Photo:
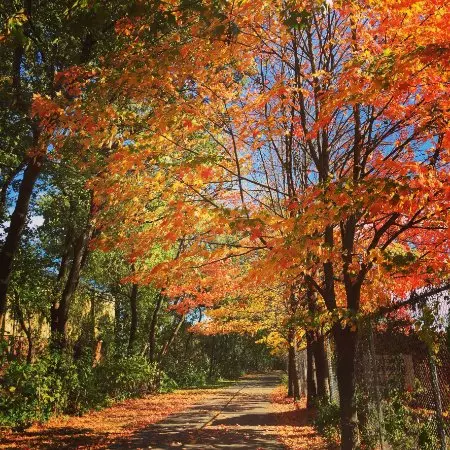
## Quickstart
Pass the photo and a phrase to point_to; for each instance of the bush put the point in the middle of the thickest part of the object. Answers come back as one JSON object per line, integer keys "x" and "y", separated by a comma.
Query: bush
{"x": 284, "y": 380}
{"x": 327, "y": 420}
{"x": 404, "y": 429}
{"x": 190, "y": 376}
{"x": 33, "y": 392}
{"x": 56, "y": 384}
{"x": 165, "y": 383}
{"x": 84, "y": 390}
{"x": 126, "y": 377}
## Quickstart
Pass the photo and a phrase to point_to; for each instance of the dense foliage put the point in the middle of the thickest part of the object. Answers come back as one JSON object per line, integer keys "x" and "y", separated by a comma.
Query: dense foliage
{"x": 275, "y": 169}
{"x": 75, "y": 334}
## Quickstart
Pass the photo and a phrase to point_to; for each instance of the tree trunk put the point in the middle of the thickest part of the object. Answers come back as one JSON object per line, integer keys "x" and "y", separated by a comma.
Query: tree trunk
{"x": 440, "y": 424}
{"x": 152, "y": 331}
{"x": 320, "y": 359}
{"x": 118, "y": 322}
{"x": 134, "y": 318}
{"x": 63, "y": 268}
{"x": 26, "y": 329}
{"x": 172, "y": 337}
{"x": 6, "y": 184}
{"x": 17, "y": 224}
{"x": 290, "y": 392}
{"x": 311, "y": 390}
{"x": 61, "y": 311}
{"x": 294, "y": 388}
{"x": 346, "y": 340}
{"x": 212, "y": 357}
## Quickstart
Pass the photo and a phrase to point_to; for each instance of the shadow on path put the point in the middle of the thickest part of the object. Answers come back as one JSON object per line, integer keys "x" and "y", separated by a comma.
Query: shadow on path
{"x": 240, "y": 417}
{"x": 56, "y": 438}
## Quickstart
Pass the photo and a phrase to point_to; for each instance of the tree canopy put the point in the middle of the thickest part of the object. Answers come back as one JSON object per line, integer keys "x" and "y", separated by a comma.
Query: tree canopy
{"x": 279, "y": 167}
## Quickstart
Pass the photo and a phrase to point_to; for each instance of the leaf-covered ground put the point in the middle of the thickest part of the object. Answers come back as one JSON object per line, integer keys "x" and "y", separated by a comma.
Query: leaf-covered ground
{"x": 250, "y": 414}
{"x": 99, "y": 429}
{"x": 295, "y": 429}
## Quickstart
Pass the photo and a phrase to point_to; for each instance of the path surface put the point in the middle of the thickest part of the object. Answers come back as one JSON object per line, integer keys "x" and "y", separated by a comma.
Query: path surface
{"x": 240, "y": 417}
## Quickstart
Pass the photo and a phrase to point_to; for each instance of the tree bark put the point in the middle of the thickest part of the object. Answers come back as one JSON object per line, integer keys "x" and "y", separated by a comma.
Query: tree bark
{"x": 311, "y": 390}
{"x": 212, "y": 357}
{"x": 152, "y": 331}
{"x": 6, "y": 184}
{"x": 134, "y": 318}
{"x": 320, "y": 359}
{"x": 17, "y": 224}
{"x": 63, "y": 268}
{"x": 61, "y": 310}
{"x": 290, "y": 392}
{"x": 26, "y": 329}
{"x": 118, "y": 322}
{"x": 317, "y": 347}
{"x": 294, "y": 388}
{"x": 172, "y": 337}
{"x": 346, "y": 340}
{"x": 30, "y": 175}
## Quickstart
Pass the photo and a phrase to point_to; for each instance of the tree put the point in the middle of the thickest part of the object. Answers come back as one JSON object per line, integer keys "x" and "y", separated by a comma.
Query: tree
{"x": 38, "y": 42}
{"x": 312, "y": 141}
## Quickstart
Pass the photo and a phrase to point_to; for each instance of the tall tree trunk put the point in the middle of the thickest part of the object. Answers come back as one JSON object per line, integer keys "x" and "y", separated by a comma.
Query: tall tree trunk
{"x": 6, "y": 184}
{"x": 152, "y": 331}
{"x": 17, "y": 224}
{"x": 320, "y": 359}
{"x": 118, "y": 322}
{"x": 290, "y": 392}
{"x": 30, "y": 176}
{"x": 63, "y": 268}
{"x": 294, "y": 388}
{"x": 317, "y": 347}
{"x": 172, "y": 337}
{"x": 61, "y": 312}
{"x": 134, "y": 318}
{"x": 26, "y": 329}
{"x": 346, "y": 340}
{"x": 311, "y": 390}
{"x": 212, "y": 357}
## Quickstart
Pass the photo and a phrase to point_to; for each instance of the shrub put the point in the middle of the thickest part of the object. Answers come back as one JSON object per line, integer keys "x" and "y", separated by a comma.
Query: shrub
{"x": 57, "y": 384}
{"x": 126, "y": 377}
{"x": 191, "y": 375}
{"x": 33, "y": 392}
{"x": 84, "y": 390}
{"x": 404, "y": 429}
{"x": 327, "y": 420}
{"x": 165, "y": 383}
{"x": 368, "y": 421}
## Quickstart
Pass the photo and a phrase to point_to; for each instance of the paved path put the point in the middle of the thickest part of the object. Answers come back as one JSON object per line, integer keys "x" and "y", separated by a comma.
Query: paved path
{"x": 239, "y": 417}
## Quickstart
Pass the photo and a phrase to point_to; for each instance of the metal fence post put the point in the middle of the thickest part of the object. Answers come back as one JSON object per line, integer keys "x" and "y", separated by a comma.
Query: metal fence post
{"x": 437, "y": 402}
{"x": 374, "y": 370}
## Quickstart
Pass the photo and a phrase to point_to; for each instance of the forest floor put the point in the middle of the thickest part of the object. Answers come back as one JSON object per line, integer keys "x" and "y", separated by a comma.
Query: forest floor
{"x": 251, "y": 414}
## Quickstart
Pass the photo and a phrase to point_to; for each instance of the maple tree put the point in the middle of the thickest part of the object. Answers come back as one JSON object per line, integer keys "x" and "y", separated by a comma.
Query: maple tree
{"x": 73, "y": 329}
{"x": 264, "y": 142}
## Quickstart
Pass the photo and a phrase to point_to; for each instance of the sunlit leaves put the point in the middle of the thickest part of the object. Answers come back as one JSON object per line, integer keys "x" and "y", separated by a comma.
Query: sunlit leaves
{"x": 238, "y": 142}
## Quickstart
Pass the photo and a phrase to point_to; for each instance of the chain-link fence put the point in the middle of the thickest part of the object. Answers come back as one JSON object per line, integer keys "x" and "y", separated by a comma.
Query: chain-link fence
{"x": 403, "y": 380}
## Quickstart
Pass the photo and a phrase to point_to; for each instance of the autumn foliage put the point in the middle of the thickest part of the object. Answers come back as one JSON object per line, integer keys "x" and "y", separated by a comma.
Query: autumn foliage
{"x": 291, "y": 159}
